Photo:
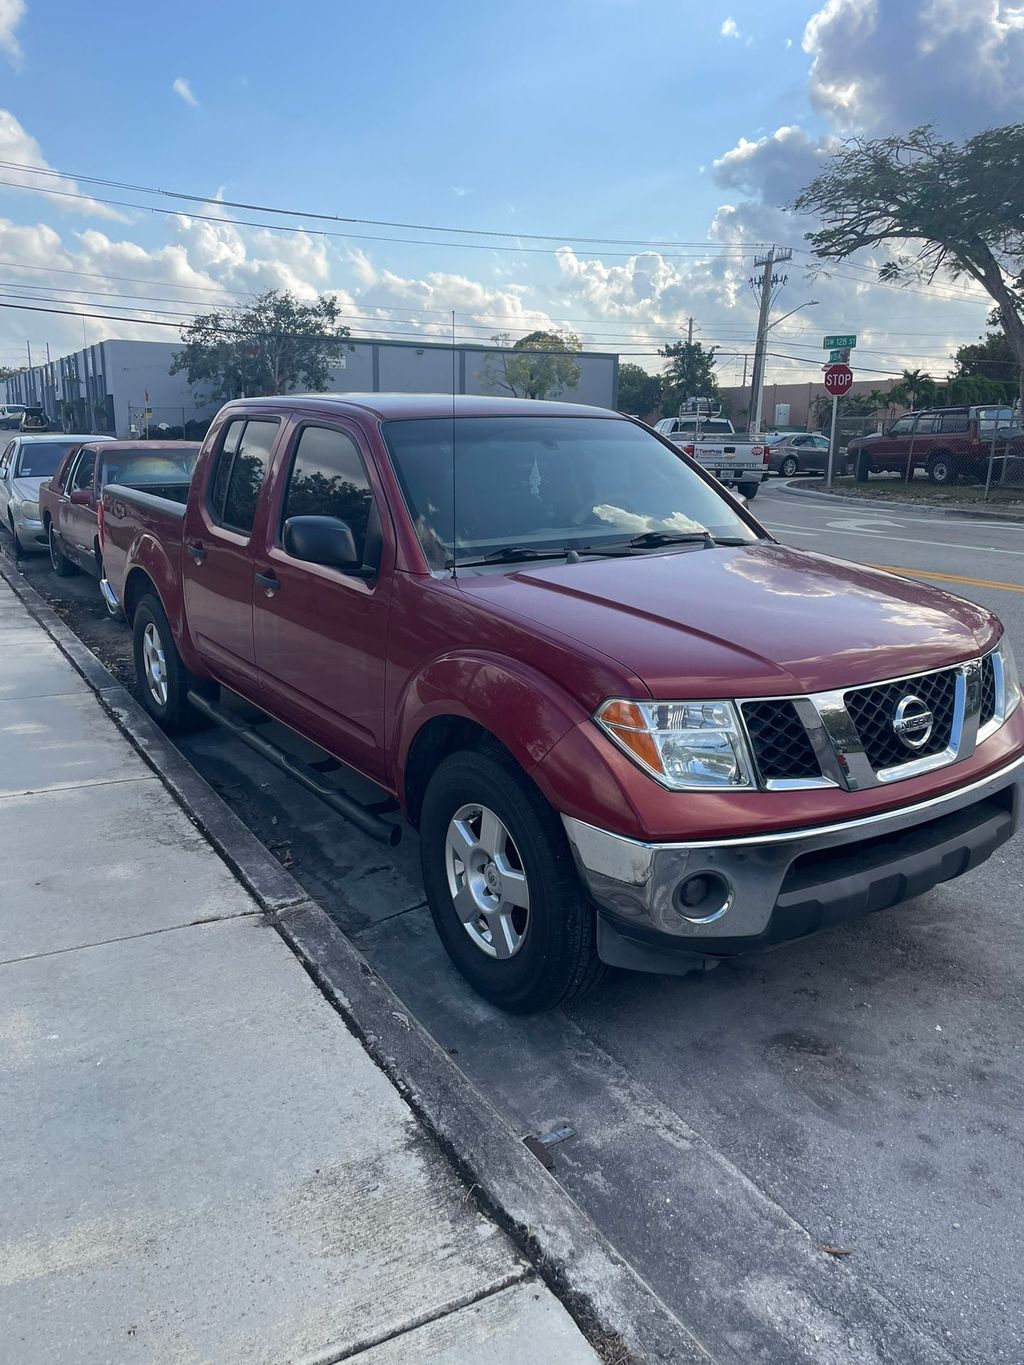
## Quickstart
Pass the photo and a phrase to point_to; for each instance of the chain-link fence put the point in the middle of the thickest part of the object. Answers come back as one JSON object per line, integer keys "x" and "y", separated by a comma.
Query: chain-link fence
{"x": 978, "y": 446}
{"x": 166, "y": 424}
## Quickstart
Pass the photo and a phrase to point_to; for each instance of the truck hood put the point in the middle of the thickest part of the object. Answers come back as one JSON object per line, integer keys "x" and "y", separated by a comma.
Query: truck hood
{"x": 752, "y": 620}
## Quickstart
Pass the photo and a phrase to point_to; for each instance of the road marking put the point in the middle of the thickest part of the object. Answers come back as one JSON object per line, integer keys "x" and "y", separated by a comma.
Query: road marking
{"x": 948, "y": 577}
{"x": 904, "y": 540}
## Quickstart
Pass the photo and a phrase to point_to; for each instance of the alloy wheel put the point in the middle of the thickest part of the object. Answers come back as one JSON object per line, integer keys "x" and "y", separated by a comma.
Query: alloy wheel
{"x": 487, "y": 881}
{"x": 155, "y": 664}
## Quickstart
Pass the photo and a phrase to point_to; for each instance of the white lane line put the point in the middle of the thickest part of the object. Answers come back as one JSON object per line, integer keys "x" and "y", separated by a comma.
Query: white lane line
{"x": 902, "y": 540}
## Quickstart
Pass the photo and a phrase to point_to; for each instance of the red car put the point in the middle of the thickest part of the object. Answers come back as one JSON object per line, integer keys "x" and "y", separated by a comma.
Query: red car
{"x": 631, "y": 727}
{"x": 68, "y": 502}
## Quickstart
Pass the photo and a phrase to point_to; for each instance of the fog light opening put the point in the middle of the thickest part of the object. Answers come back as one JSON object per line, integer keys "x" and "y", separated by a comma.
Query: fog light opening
{"x": 704, "y": 897}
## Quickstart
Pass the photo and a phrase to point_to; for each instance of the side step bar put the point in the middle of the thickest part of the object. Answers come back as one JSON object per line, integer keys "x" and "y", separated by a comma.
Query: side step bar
{"x": 361, "y": 816}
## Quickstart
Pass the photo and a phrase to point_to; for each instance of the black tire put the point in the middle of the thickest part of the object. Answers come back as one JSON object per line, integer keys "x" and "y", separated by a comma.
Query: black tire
{"x": 862, "y": 466}
{"x": 940, "y": 468}
{"x": 59, "y": 562}
{"x": 19, "y": 549}
{"x": 789, "y": 466}
{"x": 749, "y": 490}
{"x": 557, "y": 958}
{"x": 174, "y": 713}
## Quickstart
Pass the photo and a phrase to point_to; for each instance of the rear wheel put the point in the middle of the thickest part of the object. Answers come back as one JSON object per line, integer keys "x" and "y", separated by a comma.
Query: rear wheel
{"x": 790, "y": 466}
{"x": 163, "y": 679}
{"x": 940, "y": 468}
{"x": 862, "y": 466}
{"x": 749, "y": 490}
{"x": 502, "y": 885}
{"x": 62, "y": 566}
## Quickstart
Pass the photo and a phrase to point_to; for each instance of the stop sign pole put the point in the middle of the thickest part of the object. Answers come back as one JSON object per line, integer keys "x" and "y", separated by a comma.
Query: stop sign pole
{"x": 838, "y": 380}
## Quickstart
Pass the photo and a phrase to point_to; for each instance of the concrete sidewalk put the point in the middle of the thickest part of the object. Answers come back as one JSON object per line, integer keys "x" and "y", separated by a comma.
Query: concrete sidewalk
{"x": 199, "y": 1162}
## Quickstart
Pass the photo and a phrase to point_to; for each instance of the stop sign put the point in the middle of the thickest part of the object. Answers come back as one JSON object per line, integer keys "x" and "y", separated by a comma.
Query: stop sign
{"x": 838, "y": 379}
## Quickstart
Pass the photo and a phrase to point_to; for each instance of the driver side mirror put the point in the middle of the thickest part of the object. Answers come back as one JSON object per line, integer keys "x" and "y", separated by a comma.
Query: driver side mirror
{"x": 322, "y": 540}
{"x": 81, "y": 497}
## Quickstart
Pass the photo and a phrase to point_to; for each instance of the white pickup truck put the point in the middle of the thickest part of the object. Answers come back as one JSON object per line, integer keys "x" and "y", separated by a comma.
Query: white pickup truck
{"x": 740, "y": 462}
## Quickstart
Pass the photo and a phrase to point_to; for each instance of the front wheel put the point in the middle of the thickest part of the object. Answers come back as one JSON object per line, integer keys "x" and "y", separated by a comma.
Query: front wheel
{"x": 19, "y": 549}
{"x": 162, "y": 678}
{"x": 790, "y": 466}
{"x": 62, "y": 566}
{"x": 502, "y": 886}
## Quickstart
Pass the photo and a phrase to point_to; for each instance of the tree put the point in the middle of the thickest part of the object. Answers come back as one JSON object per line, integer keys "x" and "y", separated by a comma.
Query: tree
{"x": 536, "y": 366}
{"x": 275, "y": 345}
{"x": 689, "y": 373}
{"x": 988, "y": 358}
{"x": 9, "y": 371}
{"x": 941, "y": 206}
{"x": 913, "y": 388}
{"x": 639, "y": 391}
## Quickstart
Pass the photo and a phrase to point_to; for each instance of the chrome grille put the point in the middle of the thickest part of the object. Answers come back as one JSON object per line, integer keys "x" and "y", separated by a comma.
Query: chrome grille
{"x": 873, "y": 710}
{"x": 988, "y": 690}
{"x": 782, "y": 747}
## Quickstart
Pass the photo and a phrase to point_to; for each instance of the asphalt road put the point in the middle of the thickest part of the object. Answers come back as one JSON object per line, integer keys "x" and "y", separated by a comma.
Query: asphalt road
{"x": 860, "y": 1091}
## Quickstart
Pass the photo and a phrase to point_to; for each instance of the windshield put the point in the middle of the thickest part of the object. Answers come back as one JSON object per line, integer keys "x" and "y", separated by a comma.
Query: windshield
{"x": 39, "y": 459}
{"x": 547, "y": 483}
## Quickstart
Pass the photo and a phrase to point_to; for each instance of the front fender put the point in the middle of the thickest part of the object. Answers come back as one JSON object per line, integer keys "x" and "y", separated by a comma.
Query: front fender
{"x": 522, "y": 707}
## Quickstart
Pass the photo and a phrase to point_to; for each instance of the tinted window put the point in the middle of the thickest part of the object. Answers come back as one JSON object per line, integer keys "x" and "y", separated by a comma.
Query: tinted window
{"x": 328, "y": 480}
{"x": 955, "y": 421}
{"x": 84, "y": 470}
{"x": 40, "y": 459}
{"x": 241, "y": 469}
{"x": 903, "y": 427}
{"x": 925, "y": 425}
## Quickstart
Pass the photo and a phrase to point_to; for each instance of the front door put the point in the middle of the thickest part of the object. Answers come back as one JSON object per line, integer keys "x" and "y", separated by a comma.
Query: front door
{"x": 217, "y": 560}
{"x": 6, "y": 474}
{"x": 321, "y": 633}
{"x": 76, "y": 521}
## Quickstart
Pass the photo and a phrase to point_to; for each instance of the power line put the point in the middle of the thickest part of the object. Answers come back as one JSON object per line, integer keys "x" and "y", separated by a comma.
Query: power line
{"x": 368, "y": 222}
{"x": 224, "y": 220}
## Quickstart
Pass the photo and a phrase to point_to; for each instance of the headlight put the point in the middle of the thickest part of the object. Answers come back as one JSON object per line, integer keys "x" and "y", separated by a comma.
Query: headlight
{"x": 684, "y": 745}
{"x": 1011, "y": 679}
{"x": 30, "y": 511}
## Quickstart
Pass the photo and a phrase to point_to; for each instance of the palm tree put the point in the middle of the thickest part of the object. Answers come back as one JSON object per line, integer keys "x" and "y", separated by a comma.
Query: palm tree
{"x": 914, "y": 388}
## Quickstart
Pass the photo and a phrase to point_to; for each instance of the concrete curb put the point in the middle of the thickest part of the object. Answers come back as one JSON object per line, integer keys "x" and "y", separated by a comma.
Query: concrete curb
{"x": 980, "y": 514}
{"x": 611, "y": 1303}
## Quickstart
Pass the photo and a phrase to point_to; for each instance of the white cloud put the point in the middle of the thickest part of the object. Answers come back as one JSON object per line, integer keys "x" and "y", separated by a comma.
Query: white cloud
{"x": 460, "y": 191}
{"x": 11, "y": 14}
{"x": 773, "y": 168}
{"x": 20, "y": 149}
{"x": 789, "y": 43}
{"x": 183, "y": 89}
{"x": 730, "y": 28}
{"x": 876, "y": 63}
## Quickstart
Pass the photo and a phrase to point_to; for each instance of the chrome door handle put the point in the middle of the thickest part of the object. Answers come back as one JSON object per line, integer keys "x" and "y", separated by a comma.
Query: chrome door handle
{"x": 196, "y": 550}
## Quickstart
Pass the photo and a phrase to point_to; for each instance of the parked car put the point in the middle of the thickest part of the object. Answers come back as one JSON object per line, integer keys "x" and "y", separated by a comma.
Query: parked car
{"x": 947, "y": 443}
{"x": 630, "y": 726}
{"x": 10, "y": 416}
{"x": 68, "y": 501}
{"x": 798, "y": 452}
{"x": 26, "y": 462}
{"x": 738, "y": 461}
{"x": 34, "y": 419}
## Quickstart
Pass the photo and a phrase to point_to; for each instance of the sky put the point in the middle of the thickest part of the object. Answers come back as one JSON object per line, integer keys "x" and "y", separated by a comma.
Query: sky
{"x": 501, "y": 137}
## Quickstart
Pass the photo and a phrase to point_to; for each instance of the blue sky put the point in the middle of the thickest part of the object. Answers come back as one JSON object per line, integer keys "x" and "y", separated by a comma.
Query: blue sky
{"x": 584, "y": 117}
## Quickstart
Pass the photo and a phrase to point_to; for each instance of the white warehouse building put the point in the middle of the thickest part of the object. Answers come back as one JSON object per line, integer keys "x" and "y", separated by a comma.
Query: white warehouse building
{"x": 124, "y": 388}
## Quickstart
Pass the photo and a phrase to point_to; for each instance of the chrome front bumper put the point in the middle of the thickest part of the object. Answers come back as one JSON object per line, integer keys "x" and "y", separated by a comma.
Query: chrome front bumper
{"x": 773, "y": 884}
{"x": 30, "y": 532}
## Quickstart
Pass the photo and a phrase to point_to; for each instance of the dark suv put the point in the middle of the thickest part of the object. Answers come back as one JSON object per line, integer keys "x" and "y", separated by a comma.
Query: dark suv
{"x": 947, "y": 443}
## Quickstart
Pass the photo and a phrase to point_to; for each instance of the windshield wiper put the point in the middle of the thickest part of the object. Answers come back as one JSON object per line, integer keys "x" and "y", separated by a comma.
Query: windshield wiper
{"x": 652, "y": 539}
{"x": 511, "y": 554}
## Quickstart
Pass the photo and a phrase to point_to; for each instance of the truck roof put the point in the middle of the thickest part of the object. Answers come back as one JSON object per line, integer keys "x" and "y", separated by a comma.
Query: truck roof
{"x": 394, "y": 406}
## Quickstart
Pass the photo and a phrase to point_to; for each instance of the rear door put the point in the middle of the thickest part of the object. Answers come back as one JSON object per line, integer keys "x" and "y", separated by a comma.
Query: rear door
{"x": 321, "y": 634}
{"x": 217, "y": 558}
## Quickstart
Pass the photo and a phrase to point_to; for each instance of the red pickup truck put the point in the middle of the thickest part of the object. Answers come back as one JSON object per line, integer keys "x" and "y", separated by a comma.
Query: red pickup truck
{"x": 631, "y": 727}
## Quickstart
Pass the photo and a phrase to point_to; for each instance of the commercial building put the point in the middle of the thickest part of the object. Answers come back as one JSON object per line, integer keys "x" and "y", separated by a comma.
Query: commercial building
{"x": 126, "y": 387}
{"x": 793, "y": 405}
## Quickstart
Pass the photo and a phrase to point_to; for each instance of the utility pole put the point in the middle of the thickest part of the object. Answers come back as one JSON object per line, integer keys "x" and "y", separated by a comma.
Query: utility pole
{"x": 47, "y": 353}
{"x": 768, "y": 281}
{"x": 28, "y": 348}
{"x": 689, "y": 331}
